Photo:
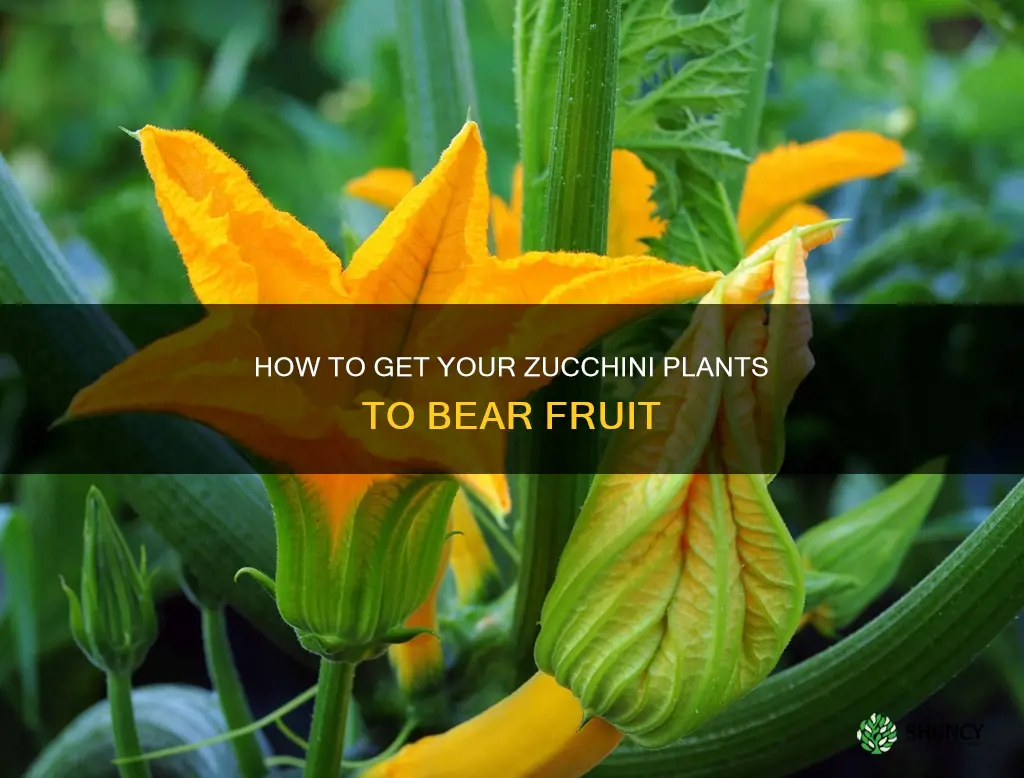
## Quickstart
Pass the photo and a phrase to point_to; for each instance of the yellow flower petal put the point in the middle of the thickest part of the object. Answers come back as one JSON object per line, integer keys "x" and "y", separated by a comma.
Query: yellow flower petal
{"x": 631, "y": 217}
{"x": 533, "y": 733}
{"x": 205, "y": 373}
{"x": 631, "y": 211}
{"x": 421, "y": 250}
{"x": 796, "y": 172}
{"x": 492, "y": 490}
{"x": 507, "y": 220}
{"x": 586, "y": 279}
{"x": 236, "y": 246}
{"x": 471, "y": 561}
{"x": 610, "y": 292}
{"x": 798, "y": 215}
{"x": 385, "y": 186}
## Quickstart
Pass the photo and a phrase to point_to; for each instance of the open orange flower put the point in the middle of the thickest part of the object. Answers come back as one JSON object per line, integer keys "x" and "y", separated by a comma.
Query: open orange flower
{"x": 246, "y": 260}
{"x": 778, "y": 186}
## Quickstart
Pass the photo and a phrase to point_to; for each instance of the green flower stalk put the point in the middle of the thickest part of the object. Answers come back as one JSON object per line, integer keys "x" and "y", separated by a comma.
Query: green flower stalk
{"x": 356, "y": 555}
{"x": 220, "y": 665}
{"x": 114, "y": 621}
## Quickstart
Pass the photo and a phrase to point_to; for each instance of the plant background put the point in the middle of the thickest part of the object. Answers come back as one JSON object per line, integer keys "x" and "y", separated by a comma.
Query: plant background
{"x": 307, "y": 95}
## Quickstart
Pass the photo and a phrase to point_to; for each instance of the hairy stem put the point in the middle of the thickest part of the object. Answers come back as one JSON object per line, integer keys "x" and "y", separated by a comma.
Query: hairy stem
{"x": 330, "y": 713}
{"x": 575, "y": 218}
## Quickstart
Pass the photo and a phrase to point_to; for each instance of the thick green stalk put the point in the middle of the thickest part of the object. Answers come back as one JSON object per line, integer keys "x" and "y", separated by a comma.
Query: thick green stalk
{"x": 330, "y": 714}
{"x": 743, "y": 129}
{"x": 237, "y": 714}
{"x": 575, "y": 219}
{"x": 437, "y": 76}
{"x": 890, "y": 666}
{"x": 579, "y": 179}
{"x": 532, "y": 45}
{"x": 122, "y": 719}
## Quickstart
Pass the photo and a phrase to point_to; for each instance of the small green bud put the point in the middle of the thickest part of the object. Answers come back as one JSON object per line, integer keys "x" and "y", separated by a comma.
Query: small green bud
{"x": 855, "y": 556}
{"x": 356, "y": 555}
{"x": 114, "y": 622}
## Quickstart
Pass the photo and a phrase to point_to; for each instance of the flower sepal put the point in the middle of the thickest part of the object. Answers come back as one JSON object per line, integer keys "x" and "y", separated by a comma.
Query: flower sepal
{"x": 331, "y": 648}
{"x": 356, "y": 556}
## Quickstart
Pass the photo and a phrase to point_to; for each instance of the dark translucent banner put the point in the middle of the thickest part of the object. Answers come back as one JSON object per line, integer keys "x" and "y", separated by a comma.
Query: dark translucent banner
{"x": 434, "y": 388}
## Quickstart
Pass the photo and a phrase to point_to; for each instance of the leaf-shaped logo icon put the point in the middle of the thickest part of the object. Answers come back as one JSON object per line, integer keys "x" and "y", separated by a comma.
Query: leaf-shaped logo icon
{"x": 877, "y": 734}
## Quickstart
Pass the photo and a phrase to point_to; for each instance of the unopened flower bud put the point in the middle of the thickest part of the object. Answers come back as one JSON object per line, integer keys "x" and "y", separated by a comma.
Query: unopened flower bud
{"x": 114, "y": 622}
{"x": 859, "y": 552}
{"x": 357, "y": 554}
{"x": 677, "y": 592}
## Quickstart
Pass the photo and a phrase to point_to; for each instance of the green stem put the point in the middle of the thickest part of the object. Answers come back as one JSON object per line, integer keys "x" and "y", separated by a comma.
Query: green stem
{"x": 576, "y": 205}
{"x": 437, "y": 76}
{"x": 743, "y": 129}
{"x": 890, "y": 666}
{"x": 575, "y": 219}
{"x": 330, "y": 714}
{"x": 237, "y": 714}
{"x": 532, "y": 44}
{"x": 122, "y": 719}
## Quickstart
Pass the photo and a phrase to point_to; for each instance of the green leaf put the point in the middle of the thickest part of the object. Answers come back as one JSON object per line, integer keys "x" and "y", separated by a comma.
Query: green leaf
{"x": 808, "y": 712}
{"x": 166, "y": 716}
{"x": 680, "y": 75}
{"x": 852, "y": 489}
{"x": 127, "y": 230}
{"x": 437, "y": 77}
{"x": 939, "y": 241}
{"x": 1006, "y": 16}
{"x": 869, "y": 543}
{"x": 17, "y": 559}
{"x": 51, "y": 508}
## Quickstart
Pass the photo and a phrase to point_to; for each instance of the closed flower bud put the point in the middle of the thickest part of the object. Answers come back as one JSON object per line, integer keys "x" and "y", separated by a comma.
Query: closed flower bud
{"x": 860, "y": 551}
{"x": 114, "y": 621}
{"x": 357, "y": 554}
{"x": 677, "y": 593}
